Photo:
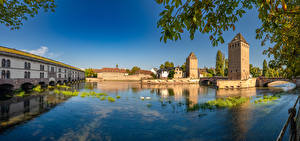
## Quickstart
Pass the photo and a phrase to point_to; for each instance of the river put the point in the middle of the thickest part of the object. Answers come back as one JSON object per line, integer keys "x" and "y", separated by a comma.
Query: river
{"x": 166, "y": 114}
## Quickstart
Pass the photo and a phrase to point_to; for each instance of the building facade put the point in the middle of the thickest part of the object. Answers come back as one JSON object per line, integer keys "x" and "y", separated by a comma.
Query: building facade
{"x": 19, "y": 67}
{"x": 192, "y": 66}
{"x": 108, "y": 74}
{"x": 238, "y": 58}
{"x": 178, "y": 73}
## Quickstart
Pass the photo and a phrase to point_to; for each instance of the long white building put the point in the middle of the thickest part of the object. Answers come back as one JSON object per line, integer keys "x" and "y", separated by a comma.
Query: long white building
{"x": 19, "y": 68}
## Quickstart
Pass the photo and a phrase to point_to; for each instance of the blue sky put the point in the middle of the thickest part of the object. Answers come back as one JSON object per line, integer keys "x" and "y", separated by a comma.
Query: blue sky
{"x": 103, "y": 33}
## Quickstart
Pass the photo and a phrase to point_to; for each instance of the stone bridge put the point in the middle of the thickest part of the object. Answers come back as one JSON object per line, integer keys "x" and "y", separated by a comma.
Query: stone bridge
{"x": 19, "y": 69}
{"x": 263, "y": 82}
{"x": 260, "y": 81}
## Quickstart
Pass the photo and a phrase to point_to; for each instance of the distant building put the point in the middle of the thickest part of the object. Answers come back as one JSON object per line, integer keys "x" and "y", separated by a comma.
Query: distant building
{"x": 121, "y": 74}
{"x": 202, "y": 72}
{"x": 238, "y": 58}
{"x": 178, "y": 73}
{"x": 192, "y": 66}
{"x": 163, "y": 73}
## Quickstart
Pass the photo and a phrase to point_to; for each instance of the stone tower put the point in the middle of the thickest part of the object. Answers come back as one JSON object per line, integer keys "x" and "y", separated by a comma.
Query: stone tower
{"x": 192, "y": 66}
{"x": 238, "y": 58}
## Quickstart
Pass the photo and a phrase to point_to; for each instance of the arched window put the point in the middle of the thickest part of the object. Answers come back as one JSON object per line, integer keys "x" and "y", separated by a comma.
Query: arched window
{"x": 8, "y": 74}
{"x": 25, "y": 65}
{"x": 3, "y": 63}
{"x": 8, "y": 63}
{"x": 3, "y": 74}
{"x": 29, "y": 65}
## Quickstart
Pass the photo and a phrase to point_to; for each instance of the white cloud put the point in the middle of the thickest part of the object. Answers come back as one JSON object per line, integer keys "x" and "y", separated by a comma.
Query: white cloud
{"x": 43, "y": 51}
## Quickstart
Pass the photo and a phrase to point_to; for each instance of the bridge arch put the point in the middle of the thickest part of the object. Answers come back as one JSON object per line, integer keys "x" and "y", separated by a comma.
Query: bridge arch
{"x": 6, "y": 88}
{"x": 27, "y": 86}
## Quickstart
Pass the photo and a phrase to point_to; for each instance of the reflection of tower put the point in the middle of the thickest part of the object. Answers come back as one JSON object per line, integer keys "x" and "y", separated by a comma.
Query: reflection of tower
{"x": 193, "y": 95}
{"x": 238, "y": 58}
{"x": 241, "y": 120}
{"x": 192, "y": 66}
{"x": 178, "y": 92}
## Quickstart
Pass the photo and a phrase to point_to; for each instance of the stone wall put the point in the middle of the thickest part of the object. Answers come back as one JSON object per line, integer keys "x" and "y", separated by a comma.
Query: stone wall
{"x": 227, "y": 84}
{"x": 172, "y": 81}
{"x": 116, "y": 76}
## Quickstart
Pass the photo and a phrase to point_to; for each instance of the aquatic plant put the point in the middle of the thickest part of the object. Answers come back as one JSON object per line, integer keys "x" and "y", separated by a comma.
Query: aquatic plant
{"x": 267, "y": 98}
{"x": 103, "y": 98}
{"x": 63, "y": 86}
{"x": 20, "y": 94}
{"x": 50, "y": 87}
{"x": 102, "y": 94}
{"x": 118, "y": 96}
{"x": 38, "y": 88}
{"x": 56, "y": 91}
{"x": 227, "y": 102}
{"x": 111, "y": 99}
{"x": 149, "y": 105}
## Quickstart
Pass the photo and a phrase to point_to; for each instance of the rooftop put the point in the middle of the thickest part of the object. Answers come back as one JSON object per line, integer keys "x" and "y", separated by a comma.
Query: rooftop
{"x": 239, "y": 37}
{"x": 23, "y": 53}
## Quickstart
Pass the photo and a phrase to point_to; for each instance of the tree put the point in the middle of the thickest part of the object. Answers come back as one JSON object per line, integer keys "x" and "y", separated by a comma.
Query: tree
{"x": 265, "y": 67}
{"x": 171, "y": 74}
{"x": 254, "y": 71}
{"x": 220, "y": 61}
{"x": 90, "y": 73}
{"x": 210, "y": 72}
{"x": 216, "y": 16}
{"x": 183, "y": 67}
{"x": 14, "y": 12}
{"x": 134, "y": 70}
{"x": 226, "y": 67}
{"x": 166, "y": 65}
{"x": 117, "y": 66}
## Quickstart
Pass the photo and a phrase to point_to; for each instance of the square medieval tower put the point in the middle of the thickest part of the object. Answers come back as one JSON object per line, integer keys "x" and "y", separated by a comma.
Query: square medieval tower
{"x": 192, "y": 66}
{"x": 238, "y": 58}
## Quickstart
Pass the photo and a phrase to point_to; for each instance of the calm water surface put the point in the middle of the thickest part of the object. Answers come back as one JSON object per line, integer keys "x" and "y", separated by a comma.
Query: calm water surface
{"x": 165, "y": 117}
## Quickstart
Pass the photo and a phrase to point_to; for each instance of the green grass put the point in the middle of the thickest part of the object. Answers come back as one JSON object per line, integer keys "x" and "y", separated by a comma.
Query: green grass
{"x": 111, "y": 99}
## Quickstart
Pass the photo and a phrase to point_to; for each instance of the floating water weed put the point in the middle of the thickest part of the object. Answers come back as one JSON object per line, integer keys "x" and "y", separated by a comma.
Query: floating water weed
{"x": 56, "y": 91}
{"x": 103, "y": 98}
{"x": 118, "y": 96}
{"x": 267, "y": 99}
{"x": 38, "y": 88}
{"x": 220, "y": 103}
{"x": 20, "y": 94}
{"x": 111, "y": 99}
{"x": 63, "y": 86}
{"x": 102, "y": 94}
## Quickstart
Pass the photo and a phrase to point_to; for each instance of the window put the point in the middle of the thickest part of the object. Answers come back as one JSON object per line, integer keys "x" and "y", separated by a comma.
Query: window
{"x": 59, "y": 70}
{"x": 8, "y": 63}
{"x": 28, "y": 74}
{"x": 3, "y": 63}
{"x": 52, "y": 69}
{"x": 59, "y": 75}
{"x": 42, "y": 75}
{"x": 42, "y": 67}
{"x": 8, "y": 74}
{"x": 3, "y": 74}
{"x": 27, "y": 65}
{"x": 25, "y": 74}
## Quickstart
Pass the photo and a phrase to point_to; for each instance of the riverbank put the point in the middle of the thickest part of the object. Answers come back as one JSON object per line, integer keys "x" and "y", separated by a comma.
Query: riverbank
{"x": 171, "y": 81}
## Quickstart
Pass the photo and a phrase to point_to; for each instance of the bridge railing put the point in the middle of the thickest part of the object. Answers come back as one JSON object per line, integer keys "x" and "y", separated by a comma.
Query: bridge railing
{"x": 291, "y": 122}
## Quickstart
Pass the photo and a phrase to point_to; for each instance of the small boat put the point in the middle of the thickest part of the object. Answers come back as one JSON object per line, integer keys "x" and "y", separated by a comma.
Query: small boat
{"x": 148, "y": 97}
{"x": 142, "y": 98}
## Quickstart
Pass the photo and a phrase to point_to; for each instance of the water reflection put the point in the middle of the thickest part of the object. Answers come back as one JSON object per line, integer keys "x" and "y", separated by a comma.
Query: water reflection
{"x": 130, "y": 118}
{"x": 18, "y": 110}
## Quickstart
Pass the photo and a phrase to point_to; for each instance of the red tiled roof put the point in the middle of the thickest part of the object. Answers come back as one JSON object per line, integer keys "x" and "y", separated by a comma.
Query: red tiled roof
{"x": 144, "y": 72}
{"x": 109, "y": 70}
